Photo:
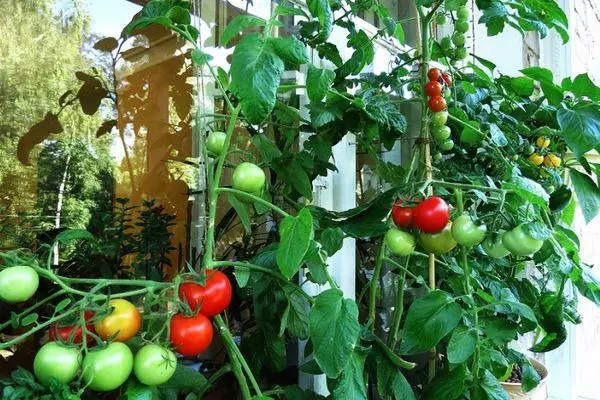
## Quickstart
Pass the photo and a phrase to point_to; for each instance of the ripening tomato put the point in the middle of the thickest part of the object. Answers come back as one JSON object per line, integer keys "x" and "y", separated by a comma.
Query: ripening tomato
{"x": 434, "y": 74}
{"x": 437, "y": 104}
{"x": 212, "y": 297}
{"x": 56, "y": 362}
{"x": 18, "y": 283}
{"x": 431, "y": 215}
{"x": 438, "y": 243}
{"x": 433, "y": 88}
{"x": 190, "y": 336}
{"x": 447, "y": 78}
{"x": 107, "y": 369}
{"x": 73, "y": 332}
{"x": 399, "y": 243}
{"x": 122, "y": 323}
{"x": 552, "y": 161}
{"x": 402, "y": 216}
{"x": 215, "y": 142}
{"x": 536, "y": 159}
{"x": 154, "y": 365}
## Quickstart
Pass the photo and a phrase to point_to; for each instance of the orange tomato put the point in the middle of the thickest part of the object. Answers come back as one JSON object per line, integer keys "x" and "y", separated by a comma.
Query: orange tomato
{"x": 121, "y": 324}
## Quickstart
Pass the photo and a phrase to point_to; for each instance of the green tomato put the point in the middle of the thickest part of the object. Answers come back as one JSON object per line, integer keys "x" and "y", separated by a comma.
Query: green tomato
{"x": 154, "y": 365}
{"x": 519, "y": 243}
{"x": 529, "y": 149}
{"x": 462, "y": 53}
{"x": 107, "y": 369}
{"x": 493, "y": 246}
{"x": 447, "y": 93}
{"x": 438, "y": 243}
{"x": 56, "y": 362}
{"x": 441, "y": 133}
{"x": 248, "y": 177}
{"x": 399, "y": 242}
{"x": 446, "y": 43}
{"x": 446, "y": 145}
{"x": 215, "y": 142}
{"x": 461, "y": 26}
{"x": 466, "y": 233}
{"x": 441, "y": 19}
{"x": 439, "y": 118}
{"x": 18, "y": 283}
{"x": 437, "y": 156}
{"x": 458, "y": 39}
{"x": 463, "y": 13}
{"x": 451, "y": 53}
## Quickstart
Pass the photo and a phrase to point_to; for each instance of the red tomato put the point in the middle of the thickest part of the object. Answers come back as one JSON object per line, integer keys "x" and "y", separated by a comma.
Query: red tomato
{"x": 402, "y": 216}
{"x": 190, "y": 336}
{"x": 447, "y": 78}
{"x": 64, "y": 333}
{"x": 433, "y": 88}
{"x": 434, "y": 74}
{"x": 431, "y": 215}
{"x": 212, "y": 298}
{"x": 437, "y": 104}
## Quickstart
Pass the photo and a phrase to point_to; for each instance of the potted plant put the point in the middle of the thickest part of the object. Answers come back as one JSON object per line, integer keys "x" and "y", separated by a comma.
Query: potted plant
{"x": 518, "y": 389}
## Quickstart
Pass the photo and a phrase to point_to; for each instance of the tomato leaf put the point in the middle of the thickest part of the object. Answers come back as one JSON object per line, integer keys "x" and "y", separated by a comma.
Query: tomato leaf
{"x": 318, "y": 82}
{"x": 137, "y": 391}
{"x": 290, "y": 50}
{"x": 587, "y": 282}
{"x": 588, "y": 194}
{"x": 428, "y": 320}
{"x": 296, "y": 234}
{"x": 580, "y": 127}
{"x": 107, "y": 44}
{"x": 334, "y": 330}
{"x": 321, "y": 10}
{"x": 238, "y": 24}
{"x": 351, "y": 382}
{"x": 489, "y": 388}
{"x": 462, "y": 344}
{"x": 255, "y": 73}
{"x": 448, "y": 385}
{"x": 73, "y": 234}
{"x": 332, "y": 240}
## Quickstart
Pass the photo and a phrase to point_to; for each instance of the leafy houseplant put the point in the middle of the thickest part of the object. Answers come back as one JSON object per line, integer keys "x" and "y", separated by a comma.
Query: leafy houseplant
{"x": 464, "y": 290}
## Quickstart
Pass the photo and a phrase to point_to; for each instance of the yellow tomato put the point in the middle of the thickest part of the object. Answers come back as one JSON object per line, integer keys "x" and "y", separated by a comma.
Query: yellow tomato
{"x": 542, "y": 142}
{"x": 552, "y": 161}
{"x": 121, "y": 324}
{"x": 536, "y": 159}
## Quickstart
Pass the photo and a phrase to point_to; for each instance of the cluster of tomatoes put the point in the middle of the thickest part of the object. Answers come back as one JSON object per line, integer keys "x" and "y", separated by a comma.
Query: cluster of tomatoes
{"x": 247, "y": 177}
{"x": 454, "y": 46}
{"x": 109, "y": 365}
{"x": 434, "y": 89}
{"x": 542, "y": 155}
{"x": 437, "y": 235}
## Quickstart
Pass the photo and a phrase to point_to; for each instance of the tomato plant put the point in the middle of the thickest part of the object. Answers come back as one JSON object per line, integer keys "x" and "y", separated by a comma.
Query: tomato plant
{"x": 431, "y": 215}
{"x": 402, "y": 216}
{"x": 191, "y": 335}
{"x": 18, "y": 283}
{"x": 480, "y": 126}
{"x": 215, "y": 142}
{"x": 211, "y": 298}
{"x": 107, "y": 369}
{"x": 467, "y": 233}
{"x": 520, "y": 243}
{"x": 73, "y": 333}
{"x": 122, "y": 323}
{"x": 56, "y": 362}
{"x": 154, "y": 365}
{"x": 399, "y": 243}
